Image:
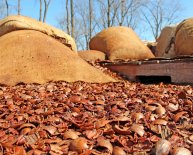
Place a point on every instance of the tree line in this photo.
(5, 6)
(82, 19)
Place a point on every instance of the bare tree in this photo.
(128, 13)
(108, 12)
(108, 8)
(3, 10)
(112, 12)
(119, 12)
(85, 19)
(82, 24)
(67, 18)
(72, 17)
(18, 7)
(40, 14)
(7, 7)
(113, 6)
(157, 14)
(90, 18)
(88, 23)
(126, 10)
(46, 5)
(122, 12)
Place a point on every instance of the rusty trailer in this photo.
(177, 70)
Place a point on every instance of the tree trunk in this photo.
(72, 18)
(46, 4)
(108, 14)
(67, 18)
(90, 19)
(7, 7)
(40, 17)
(122, 12)
(87, 41)
(19, 7)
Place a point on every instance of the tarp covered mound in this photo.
(33, 57)
(120, 43)
(165, 42)
(184, 38)
(13, 23)
(92, 55)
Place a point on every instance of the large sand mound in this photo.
(165, 42)
(13, 23)
(32, 57)
(184, 37)
(120, 43)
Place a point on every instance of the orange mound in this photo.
(17, 22)
(120, 43)
(33, 57)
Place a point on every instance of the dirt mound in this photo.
(120, 43)
(165, 42)
(184, 38)
(32, 57)
(92, 55)
(13, 23)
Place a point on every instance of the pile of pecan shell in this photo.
(83, 118)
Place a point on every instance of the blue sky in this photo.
(31, 8)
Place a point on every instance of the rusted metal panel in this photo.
(179, 69)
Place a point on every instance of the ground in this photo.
(84, 118)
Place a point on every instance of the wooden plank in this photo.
(180, 71)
